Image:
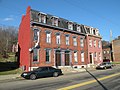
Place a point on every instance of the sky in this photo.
(101, 14)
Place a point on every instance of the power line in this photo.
(75, 4)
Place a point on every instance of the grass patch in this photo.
(115, 62)
(11, 58)
(15, 71)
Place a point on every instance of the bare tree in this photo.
(8, 37)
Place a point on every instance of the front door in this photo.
(67, 58)
(58, 57)
(91, 58)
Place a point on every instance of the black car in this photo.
(104, 65)
(42, 72)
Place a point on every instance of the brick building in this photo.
(107, 51)
(47, 40)
(116, 49)
(94, 46)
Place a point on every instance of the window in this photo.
(104, 51)
(70, 25)
(97, 33)
(74, 41)
(90, 42)
(88, 30)
(58, 38)
(95, 56)
(108, 52)
(67, 39)
(82, 57)
(99, 56)
(78, 28)
(36, 35)
(94, 43)
(35, 55)
(81, 42)
(99, 44)
(94, 32)
(55, 21)
(48, 55)
(48, 37)
(75, 57)
(91, 30)
(42, 18)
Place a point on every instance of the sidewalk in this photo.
(9, 77)
(18, 77)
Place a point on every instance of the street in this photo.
(90, 80)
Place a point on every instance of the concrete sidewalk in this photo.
(9, 77)
(18, 77)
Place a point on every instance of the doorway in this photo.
(58, 58)
(91, 58)
(67, 58)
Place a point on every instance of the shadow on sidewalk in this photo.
(97, 80)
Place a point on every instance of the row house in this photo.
(94, 46)
(47, 40)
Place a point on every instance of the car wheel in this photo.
(55, 74)
(32, 76)
(105, 68)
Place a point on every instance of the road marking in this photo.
(88, 82)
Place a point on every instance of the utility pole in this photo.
(110, 36)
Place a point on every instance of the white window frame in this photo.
(95, 55)
(99, 44)
(70, 25)
(57, 38)
(37, 55)
(94, 43)
(90, 42)
(75, 41)
(67, 39)
(49, 51)
(55, 21)
(99, 56)
(75, 57)
(42, 18)
(82, 42)
(48, 37)
(78, 28)
(82, 57)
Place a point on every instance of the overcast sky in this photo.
(101, 14)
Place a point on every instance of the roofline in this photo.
(55, 27)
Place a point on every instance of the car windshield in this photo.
(104, 63)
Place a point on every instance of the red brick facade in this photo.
(43, 42)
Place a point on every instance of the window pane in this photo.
(67, 40)
(48, 53)
(35, 54)
(58, 39)
(82, 42)
(75, 57)
(82, 56)
(48, 37)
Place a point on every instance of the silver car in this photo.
(104, 65)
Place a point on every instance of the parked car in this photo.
(104, 65)
(42, 72)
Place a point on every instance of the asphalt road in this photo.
(89, 80)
